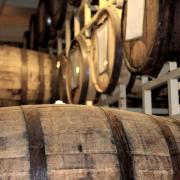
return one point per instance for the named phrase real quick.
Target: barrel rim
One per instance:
(81, 93)
(112, 14)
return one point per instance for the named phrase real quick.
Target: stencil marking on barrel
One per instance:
(172, 145)
(38, 164)
(24, 77)
(122, 145)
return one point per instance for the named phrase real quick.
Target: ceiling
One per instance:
(14, 18)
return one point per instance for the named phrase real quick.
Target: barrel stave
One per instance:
(89, 143)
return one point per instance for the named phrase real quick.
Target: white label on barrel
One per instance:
(102, 43)
(135, 19)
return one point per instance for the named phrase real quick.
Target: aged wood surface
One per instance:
(160, 39)
(79, 83)
(11, 69)
(88, 143)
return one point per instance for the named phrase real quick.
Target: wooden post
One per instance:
(173, 97)
(147, 98)
(122, 97)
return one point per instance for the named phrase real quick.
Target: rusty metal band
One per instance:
(24, 77)
(122, 146)
(41, 88)
(172, 145)
(55, 86)
(38, 164)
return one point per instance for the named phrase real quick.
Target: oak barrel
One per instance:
(58, 12)
(26, 77)
(160, 40)
(79, 83)
(106, 50)
(45, 28)
(81, 143)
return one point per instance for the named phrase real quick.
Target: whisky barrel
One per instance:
(79, 84)
(26, 77)
(58, 12)
(62, 77)
(33, 27)
(160, 40)
(106, 50)
(76, 142)
(45, 29)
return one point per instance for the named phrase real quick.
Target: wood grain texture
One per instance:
(11, 76)
(90, 143)
(160, 39)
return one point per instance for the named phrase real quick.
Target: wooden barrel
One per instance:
(79, 83)
(58, 12)
(107, 50)
(77, 142)
(45, 29)
(160, 40)
(33, 27)
(26, 77)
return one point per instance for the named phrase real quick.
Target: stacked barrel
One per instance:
(70, 142)
(107, 57)
(101, 56)
(26, 77)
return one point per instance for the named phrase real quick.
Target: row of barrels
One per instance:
(146, 54)
(95, 64)
(69, 142)
(102, 59)
(43, 25)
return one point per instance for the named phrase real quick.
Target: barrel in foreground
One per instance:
(79, 142)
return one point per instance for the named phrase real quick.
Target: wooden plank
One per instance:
(162, 80)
